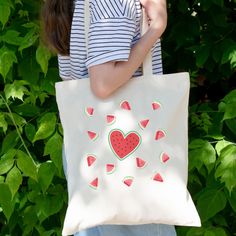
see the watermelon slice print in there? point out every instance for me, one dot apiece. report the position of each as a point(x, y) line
point(122, 144)
point(110, 168)
point(92, 135)
point(89, 111)
point(94, 184)
point(156, 105)
point(128, 180)
point(164, 157)
point(157, 177)
point(90, 159)
point(140, 163)
point(111, 119)
point(160, 134)
point(125, 105)
point(143, 123)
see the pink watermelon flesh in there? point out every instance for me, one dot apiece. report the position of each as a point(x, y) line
point(143, 123)
point(94, 183)
point(110, 168)
point(90, 111)
point(164, 157)
point(90, 160)
point(156, 105)
point(160, 134)
point(110, 119)
point(128, 181)
point(92, 135)
point(125, 105)
point(140, 162)
point(157, 177)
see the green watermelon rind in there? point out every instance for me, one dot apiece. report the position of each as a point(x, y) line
point(90, 154)
point(111, 123)
point(92, 187)
point(155, 101)
point(95, 138)
point(161, 157)
point(127, 177)
point(163, 131)
point(140, 141)
point(86, 113)
point(145, 165)
point(122, 103)
point(141, 127)
point(111, 172)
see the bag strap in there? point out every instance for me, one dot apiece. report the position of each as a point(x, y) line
point(147, 64)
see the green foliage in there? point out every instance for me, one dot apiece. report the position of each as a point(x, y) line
point(200, 38)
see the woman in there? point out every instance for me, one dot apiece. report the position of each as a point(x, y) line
point(115, 52)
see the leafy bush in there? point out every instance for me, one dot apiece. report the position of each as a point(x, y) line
point(200, 38)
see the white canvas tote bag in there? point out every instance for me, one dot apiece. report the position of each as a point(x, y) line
point(127, 155)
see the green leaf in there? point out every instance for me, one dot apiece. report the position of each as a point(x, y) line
point(43, 55)
point(47, 126)
point(28, 110)
point(3, 123)
point(226, 169)
point(219, 2)
point(6, 165)
point(230, 111)
point(6, 200)
point(30, 132)
point(28, 68)
point(201, 153)
point(228, 106)
point(26, 165)
point(12, 37)
point(30, 219)
point(196, 232)
point(230, 97)
point(5, 11)
point(45, 174)
point(221, 145)
point(232, 200)
point(28, 40)
point(231, 124)
point(210, 202)
point(215, 232)
point(7, 58)
point(53, 148)
point(48, 205)
point(7, 161)
point(2, 179)
point(19, 120)
point(202, 55)
point(229, 53)
point(10, 141)
point(14, 180)
point(16, 89)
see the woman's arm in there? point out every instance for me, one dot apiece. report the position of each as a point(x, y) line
point(107, 77)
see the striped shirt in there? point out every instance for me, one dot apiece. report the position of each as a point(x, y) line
point(114, 29)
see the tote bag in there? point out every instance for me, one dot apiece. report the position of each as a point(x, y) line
point(127, 155)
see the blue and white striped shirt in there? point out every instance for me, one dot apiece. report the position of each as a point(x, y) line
point(114, 29)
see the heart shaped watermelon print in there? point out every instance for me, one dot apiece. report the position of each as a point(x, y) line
point(123, 144)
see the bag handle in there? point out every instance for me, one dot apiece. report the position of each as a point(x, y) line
point(147, 64)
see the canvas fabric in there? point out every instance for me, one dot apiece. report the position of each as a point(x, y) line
point(127, 155)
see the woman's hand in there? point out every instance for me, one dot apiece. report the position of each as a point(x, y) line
point(157, 14)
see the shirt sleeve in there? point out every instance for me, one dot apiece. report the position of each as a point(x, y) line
point(64, 66)
point(112, 29)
